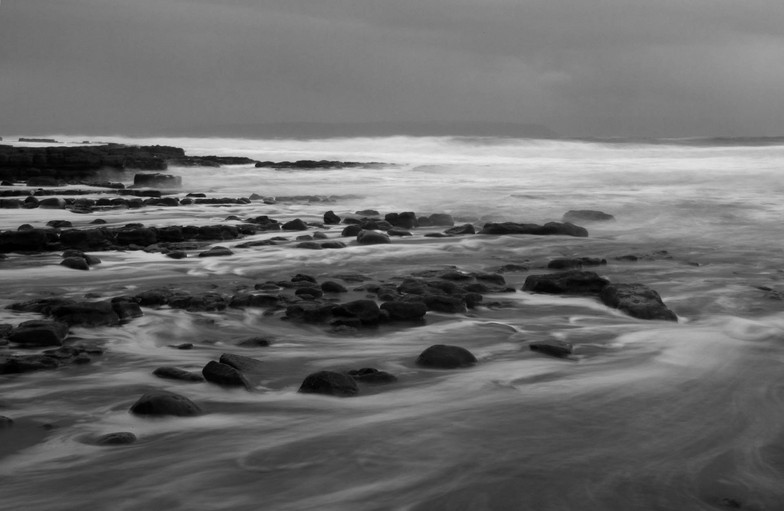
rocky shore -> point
(340, 304)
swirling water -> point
(646, 415)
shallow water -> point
(646, 415)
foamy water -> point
(647, 415)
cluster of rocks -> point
(88, 205)
(636, 300)
(37, 334)
(130, 236)
(66, 311)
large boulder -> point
(38, 332)
(162, 403)
(573, 282)
(444, 356)
(637, 300)
(331, 383)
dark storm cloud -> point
(606, 67)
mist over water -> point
(646, 415)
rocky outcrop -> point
(548, 229)
(318, 164)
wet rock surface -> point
(444, 356)
(158, 403)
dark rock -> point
(75, 263)
(330, 383)
(586, 215)
(86, 314)
(37, 332)
(16, 364)
(330, 286)
(309, 313)
(247, 365)
(119, 438)
(440, 219)
(177, 254)
(637, 300)
(553, 348)
(28, 240)
(574, 282)
(550, 228)
(302, 277)
(59, 224)
(333, 244)
(154, 297)
(372, 238)
(162, 402)
(351, 230)
(461, 229)
(372, 376)
(216, 251)
(492, 278)
(444, 356)
(98, 221)
(5, 329)
(183, 346)
(397, 231)
(312, 292)
(404, 311)
(224, 374)
(310, 245)
(52, 203)
(574, 262)
(366, 311)
(368, 212)
(157, 180)
(6, 422)
(405, 220)
(295, 225)
(175, 373)
(141, 236)
(330, 218)
(440, 303)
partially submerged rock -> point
(162, 403)
(638, 301)
(550, 228)
(331, 383)
(574, 282)
(37, 332)
(224, 374)
(372, 376)
(444, 356)
(587, 215)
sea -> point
(644, 415)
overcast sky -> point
(580, 67)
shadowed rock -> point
(330, 218)
(404, 311)
(637, 300)
(75, 263)
(444, 356)
(372, 238)
(329, 383)
(39, 333)
(224, 374)
(548, 229)
(569, 282)
(372, 376)
(86, 314)
(162, 403)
